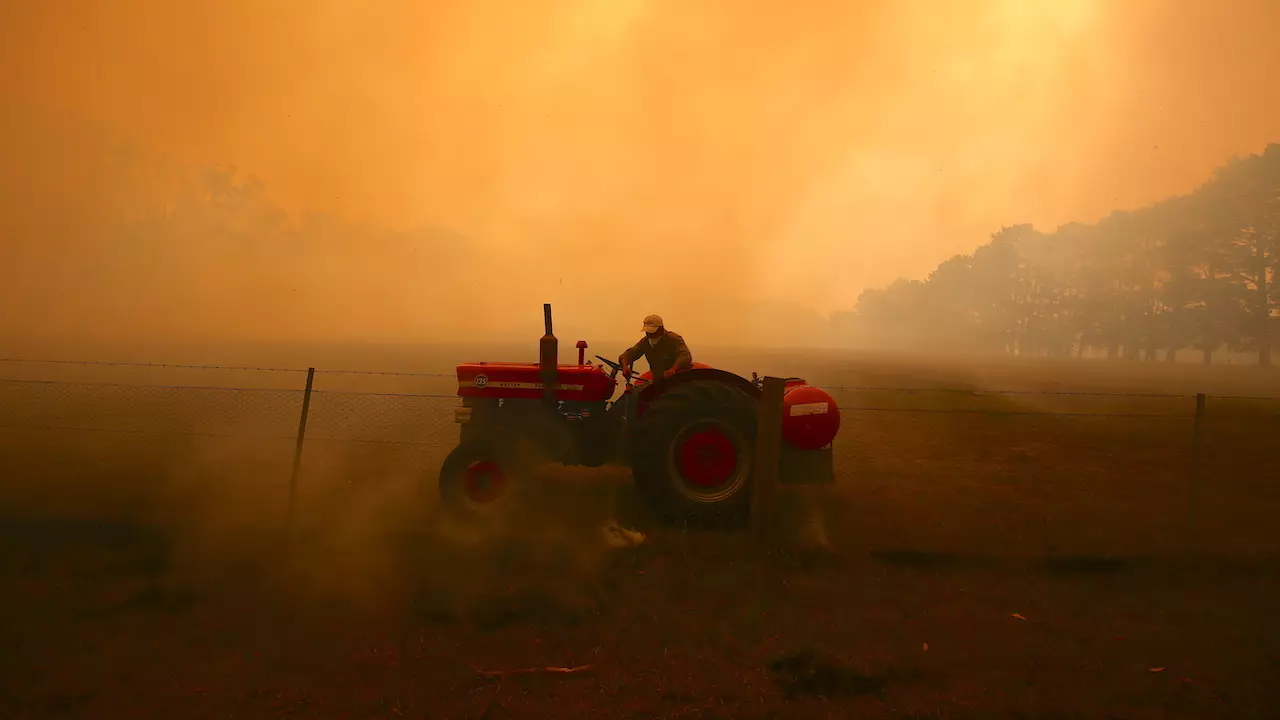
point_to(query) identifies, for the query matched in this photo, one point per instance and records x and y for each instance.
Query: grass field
(977, 559)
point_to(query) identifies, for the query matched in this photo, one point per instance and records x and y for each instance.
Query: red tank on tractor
(689, 440)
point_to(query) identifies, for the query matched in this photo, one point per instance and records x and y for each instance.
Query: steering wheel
(615, 367)
(632, 379)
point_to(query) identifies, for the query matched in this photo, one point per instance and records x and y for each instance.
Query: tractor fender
(652, 391)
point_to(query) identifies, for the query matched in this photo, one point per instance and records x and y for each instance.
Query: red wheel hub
(484, 482)
(707, 458)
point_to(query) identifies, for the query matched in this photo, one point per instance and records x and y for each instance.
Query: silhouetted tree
(1194, 271)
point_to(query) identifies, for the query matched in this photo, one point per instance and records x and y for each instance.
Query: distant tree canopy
(1191, 272)
(101, 235)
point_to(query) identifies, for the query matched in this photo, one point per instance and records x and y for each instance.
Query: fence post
(297, 449)
(764, 486)
(1194, 480)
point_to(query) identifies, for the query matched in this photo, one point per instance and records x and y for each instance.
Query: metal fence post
(764, 485)
(297, 450)
(1194, 480)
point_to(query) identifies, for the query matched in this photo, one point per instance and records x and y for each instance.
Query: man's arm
(632, 354)
(684, 358)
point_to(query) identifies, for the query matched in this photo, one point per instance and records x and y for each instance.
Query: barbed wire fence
(1163, 462)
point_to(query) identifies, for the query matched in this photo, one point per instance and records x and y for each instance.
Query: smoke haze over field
(735, 170)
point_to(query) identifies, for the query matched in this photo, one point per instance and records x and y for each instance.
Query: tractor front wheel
(693, 450)
(477, 477)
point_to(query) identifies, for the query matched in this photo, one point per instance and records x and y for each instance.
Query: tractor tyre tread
(656, 430)
(450, 479)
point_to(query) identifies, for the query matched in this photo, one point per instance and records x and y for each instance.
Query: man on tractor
(666, 351)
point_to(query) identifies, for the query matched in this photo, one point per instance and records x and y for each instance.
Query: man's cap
(652, 323)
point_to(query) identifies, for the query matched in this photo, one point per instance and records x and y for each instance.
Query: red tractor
(689, 440)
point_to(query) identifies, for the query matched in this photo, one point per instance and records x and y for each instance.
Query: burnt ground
(976, 565)
(106, 620)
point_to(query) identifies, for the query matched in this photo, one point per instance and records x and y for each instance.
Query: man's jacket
(670, 351)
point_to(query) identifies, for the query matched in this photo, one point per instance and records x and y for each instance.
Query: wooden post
(764, 485)
(1194, 480)
(297, 449)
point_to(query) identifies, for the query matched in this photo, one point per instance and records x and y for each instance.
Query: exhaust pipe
(549, 359)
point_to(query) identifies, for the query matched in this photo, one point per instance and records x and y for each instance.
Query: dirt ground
(975, 561)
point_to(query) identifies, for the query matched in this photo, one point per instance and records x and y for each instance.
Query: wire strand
(108, 363)
(379, 372)
(150, 386)
(241, 368)
(840, 388)
(192, 433)
(983, 411)
(373, 394)
(964, 391)
(128, 431)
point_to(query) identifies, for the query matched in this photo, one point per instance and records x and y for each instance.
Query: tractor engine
(506, 403)
(557, 409)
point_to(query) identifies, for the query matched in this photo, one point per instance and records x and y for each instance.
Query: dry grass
(147, 576)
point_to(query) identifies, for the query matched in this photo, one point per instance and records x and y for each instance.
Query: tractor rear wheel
(693, 450)
(477, 476)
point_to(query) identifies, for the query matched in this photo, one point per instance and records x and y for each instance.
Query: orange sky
(777, 150)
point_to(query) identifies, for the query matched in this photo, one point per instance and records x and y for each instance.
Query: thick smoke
(440, 169)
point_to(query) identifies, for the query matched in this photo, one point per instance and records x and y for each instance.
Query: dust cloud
(208, 515)
(421, 172)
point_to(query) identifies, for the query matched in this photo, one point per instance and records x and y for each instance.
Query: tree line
(102, 235)
(1190, 273)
